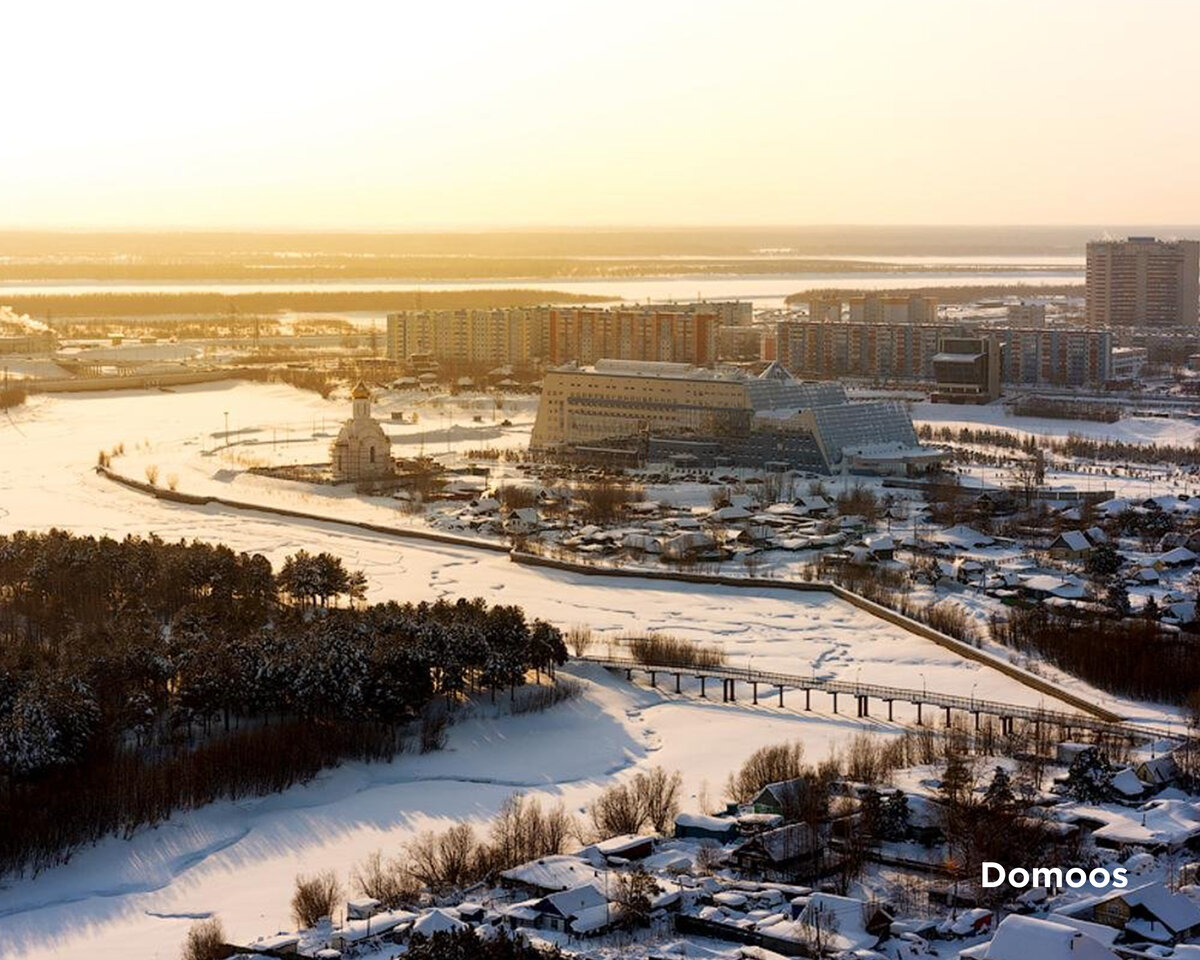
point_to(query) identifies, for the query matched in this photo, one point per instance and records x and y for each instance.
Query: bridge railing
(881, 692)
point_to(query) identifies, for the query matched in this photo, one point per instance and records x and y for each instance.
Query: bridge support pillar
(835, 703)
(677, 690)
(725, 690)
(629, 675)
(807, 698)
(781, 695)
(653, 679)
(732, 691)
(702, 694)
(754, 687)
(976, 719)
(947, 716)
(919, 713)
(889, 703)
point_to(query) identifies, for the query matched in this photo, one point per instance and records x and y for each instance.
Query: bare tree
(579, 639)
(773, 764)
(658, 796)
(315, 897)
(205, 941)
(617, 810)
(388, 882)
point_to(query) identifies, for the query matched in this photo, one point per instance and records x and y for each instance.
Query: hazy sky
(465, 112)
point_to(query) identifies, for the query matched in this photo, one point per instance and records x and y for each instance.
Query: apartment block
(1143, 282)
(873, 308)
(1063, 357)
(583, 336)
(905, 351)
(486, 336)
(1026, 314)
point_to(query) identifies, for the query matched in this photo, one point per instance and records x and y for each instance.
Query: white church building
(362, 451)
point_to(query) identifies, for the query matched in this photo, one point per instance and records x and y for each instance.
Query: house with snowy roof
(783, 797)
(551, 874)
(880, 546)
(961, 537)
(1158, 771)
(1179, 557)
(779, 852)
(697, 826)
(1026, 938)
(1149, 912)
(1159, 825)
(1070, 545)
(559, 911)
(1043, 586)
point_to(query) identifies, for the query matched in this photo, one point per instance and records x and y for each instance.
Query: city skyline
(536, 115)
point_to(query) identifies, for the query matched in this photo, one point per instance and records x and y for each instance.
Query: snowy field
(134, 898)
(1169, 430)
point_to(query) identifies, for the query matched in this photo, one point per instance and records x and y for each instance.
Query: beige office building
(1143, 282)
(621, 398)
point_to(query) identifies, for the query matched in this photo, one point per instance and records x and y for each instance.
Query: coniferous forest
(140, 677)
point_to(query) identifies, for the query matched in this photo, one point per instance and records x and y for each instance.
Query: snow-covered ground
(131, 898)
(1170, 430)
(137, 897)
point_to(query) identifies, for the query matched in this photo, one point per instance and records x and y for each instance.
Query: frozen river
(765, 291)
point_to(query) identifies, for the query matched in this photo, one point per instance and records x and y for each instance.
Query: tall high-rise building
(1143, 282)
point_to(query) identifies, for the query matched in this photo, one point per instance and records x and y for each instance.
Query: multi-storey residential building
(825, 310)
(873, 308)
(488, 336)
(1143, 281)
(740, 343)
(581, 335)
(732, 313)
(1026, 314)
(865, 349)
(1074, 358)
(904, 351)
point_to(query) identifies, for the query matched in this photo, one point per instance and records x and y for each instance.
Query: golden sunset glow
(402, 115)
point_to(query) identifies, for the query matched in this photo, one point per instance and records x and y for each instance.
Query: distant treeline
(139, 677)
(968, 294)
(1074, 445)
(323, 267)
(301, 301)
